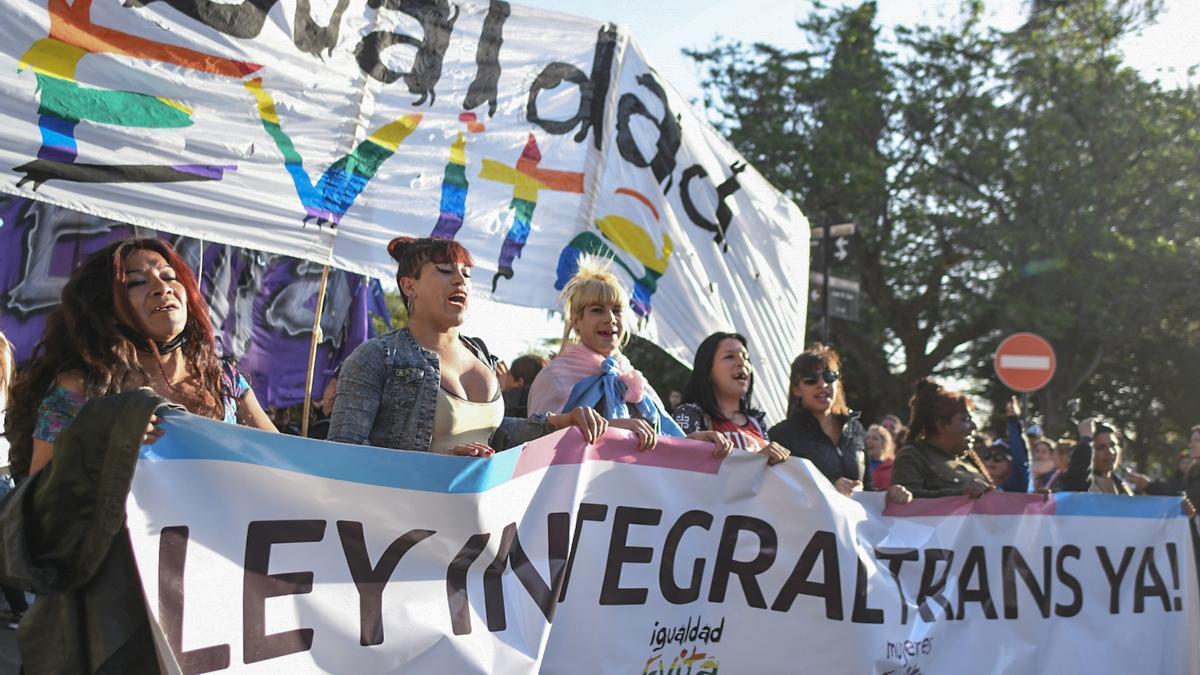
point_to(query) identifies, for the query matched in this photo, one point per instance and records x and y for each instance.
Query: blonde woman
(590, 369)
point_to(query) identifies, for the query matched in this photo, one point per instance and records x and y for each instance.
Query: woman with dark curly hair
(131, 316)
(940, 461)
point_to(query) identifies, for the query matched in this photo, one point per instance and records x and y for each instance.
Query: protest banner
(261, 305)
(261, 553)
(531, 137)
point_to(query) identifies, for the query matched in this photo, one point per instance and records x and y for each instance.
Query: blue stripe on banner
(1115, 506)
(193, 437)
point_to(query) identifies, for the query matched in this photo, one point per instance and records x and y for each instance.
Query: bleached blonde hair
(593, 284)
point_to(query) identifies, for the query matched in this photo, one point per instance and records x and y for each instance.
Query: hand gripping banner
(261, 553)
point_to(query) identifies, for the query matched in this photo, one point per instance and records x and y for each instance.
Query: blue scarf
(606, 393)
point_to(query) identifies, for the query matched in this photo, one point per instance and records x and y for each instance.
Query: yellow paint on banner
(266, 105)
(176, 105)
(52, 57)
(458, 151)
(392, 134)
(524, 186)
(631, 238)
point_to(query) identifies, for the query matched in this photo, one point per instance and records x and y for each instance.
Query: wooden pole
(312, 350)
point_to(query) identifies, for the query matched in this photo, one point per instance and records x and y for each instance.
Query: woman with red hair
(940, 462)
(131, 316)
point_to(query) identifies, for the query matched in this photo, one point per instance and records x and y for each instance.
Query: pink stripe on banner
(991, 504)
(618, 445)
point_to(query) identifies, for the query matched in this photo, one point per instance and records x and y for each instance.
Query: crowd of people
(132, 319)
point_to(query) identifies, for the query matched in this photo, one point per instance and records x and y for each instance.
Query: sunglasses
(995, 456)
(827, 376)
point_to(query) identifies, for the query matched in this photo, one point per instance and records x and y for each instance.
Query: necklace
(142, 343)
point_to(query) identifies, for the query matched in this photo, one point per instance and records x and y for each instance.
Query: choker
(142, 342)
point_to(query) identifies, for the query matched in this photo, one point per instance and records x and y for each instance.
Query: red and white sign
(1024, 362)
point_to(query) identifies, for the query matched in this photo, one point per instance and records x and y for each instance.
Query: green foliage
(662, 371)
(1001, 182)
(397, 310)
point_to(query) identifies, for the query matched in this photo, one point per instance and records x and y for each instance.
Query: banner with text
(261, 305)
(561, 557)
(322, 132)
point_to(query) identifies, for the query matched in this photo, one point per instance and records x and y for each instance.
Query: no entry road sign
(1024, 362)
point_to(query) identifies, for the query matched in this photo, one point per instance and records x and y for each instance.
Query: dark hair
(411, 253)
(95, 331)
(699, 387)
(930, 404)
(527, 367)
(813, 361)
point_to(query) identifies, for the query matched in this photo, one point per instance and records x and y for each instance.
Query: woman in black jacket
(820, 427)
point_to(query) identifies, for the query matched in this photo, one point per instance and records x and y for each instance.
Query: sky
(662, 28)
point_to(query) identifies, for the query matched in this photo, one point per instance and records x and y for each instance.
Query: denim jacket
(387, 395)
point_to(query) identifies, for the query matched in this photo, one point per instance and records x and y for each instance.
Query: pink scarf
(552, 387)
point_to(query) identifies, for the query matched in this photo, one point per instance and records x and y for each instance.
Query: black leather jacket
(801, 433)
(64, 538)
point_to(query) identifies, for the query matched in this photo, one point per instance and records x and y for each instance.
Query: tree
(856, 133)
(1001, 182)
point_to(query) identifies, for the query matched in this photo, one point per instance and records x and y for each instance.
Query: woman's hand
(1087, 427)
(152, 433)
(504, 377)
(722, 446)
(646, 437)
(1012, 407)
(898, 494)
(846, 486)
(775, 453)
(589, 422)
(473, 450)
(976, 488)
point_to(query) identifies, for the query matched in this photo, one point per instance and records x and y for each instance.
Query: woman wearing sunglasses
(820, 428)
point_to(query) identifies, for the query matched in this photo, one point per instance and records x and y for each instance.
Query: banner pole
(312, 351)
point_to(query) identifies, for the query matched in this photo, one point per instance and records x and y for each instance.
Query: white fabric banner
(263, 553)
(322, 132)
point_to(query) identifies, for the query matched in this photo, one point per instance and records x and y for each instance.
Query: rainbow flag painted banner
(531, 137)
(561, 557)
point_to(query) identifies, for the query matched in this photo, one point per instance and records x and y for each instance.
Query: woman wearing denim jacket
(426, 387)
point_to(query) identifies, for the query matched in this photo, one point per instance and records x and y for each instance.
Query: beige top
(457, 421)
(1105, 485)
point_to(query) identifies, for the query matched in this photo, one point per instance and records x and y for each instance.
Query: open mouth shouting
(458, 299)
(742, 377)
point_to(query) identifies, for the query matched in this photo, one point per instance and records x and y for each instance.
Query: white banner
(322, 132)
(265, 553)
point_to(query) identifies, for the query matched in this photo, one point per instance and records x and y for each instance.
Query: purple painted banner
(261, 305)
